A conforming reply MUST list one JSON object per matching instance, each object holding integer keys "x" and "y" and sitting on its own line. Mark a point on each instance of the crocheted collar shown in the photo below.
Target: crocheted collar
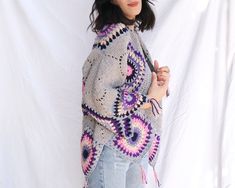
{"x": 109, "y": 27}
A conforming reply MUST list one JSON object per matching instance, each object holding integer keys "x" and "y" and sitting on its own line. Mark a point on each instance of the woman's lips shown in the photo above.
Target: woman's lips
{"x": 133, "y": 4}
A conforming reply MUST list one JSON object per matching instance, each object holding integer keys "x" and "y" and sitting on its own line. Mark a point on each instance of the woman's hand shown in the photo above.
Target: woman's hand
{"x": 160, "y": 82}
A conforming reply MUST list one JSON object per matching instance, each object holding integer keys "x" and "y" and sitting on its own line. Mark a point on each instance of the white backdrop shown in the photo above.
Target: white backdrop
{"x": 43, "y": 45}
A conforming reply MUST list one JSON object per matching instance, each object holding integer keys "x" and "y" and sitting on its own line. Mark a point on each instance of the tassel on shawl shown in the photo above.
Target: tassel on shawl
{"x": 143, "y": 175}
{"x": 156, "y": 178}
{"x": 156, "y": 108}
{"x": 85, "y": 183}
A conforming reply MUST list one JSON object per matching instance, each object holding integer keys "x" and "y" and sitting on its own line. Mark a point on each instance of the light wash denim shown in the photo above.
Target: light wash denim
{"x": 113, "y": 171}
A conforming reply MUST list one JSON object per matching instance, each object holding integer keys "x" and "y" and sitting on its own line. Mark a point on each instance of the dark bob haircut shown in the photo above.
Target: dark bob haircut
{"x": 104, "y": 13}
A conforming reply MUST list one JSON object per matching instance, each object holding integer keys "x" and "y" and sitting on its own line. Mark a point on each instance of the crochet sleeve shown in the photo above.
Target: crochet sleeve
{"x": 108, "y": 96}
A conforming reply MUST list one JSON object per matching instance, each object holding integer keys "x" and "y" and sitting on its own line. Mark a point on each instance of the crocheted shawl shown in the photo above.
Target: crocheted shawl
{"x": 116, "y": 79}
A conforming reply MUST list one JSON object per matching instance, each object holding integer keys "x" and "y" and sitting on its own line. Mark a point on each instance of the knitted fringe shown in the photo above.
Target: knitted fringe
{"x": 156, "y": 178}
{"x": 143, "y": 175}
{"x": 85, "y": 183}
{"x": 156, "y": 108}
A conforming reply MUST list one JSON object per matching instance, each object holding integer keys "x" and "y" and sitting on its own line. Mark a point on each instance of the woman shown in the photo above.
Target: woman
{"x": 122, "y": 99}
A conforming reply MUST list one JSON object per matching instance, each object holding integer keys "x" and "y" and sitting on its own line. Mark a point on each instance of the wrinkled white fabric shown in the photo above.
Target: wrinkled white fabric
{"x": 43, "y": 45}
{"x": 196, "y": 40}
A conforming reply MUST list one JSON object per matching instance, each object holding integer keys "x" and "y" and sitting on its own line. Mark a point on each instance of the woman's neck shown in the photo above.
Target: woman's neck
{"x": 131, "y": 27}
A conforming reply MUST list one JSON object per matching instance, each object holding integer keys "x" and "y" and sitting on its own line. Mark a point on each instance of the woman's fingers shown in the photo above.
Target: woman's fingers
{"x": 163, "y": 84}
{"x": 163, "y": 74}
{"x": 160, "y": 69}
{"x": 154, "y": 77}
{"x": 156, "y": 65}
{"x": 164, "y": 68}
{"x": 163, "y": 79}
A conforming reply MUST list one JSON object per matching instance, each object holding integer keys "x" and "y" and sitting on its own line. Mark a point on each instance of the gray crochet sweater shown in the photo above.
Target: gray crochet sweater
{"x": 116, "y": 79}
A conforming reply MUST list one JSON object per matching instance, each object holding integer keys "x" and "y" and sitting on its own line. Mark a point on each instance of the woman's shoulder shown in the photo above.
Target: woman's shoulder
{"x": 112, "y": 34}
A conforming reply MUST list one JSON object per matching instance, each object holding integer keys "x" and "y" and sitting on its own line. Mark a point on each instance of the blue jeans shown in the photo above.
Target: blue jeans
{"x": 113, "y": 171}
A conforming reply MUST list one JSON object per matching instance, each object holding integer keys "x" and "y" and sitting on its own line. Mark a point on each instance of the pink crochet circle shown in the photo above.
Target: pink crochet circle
{"x": 129, "y": 70}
